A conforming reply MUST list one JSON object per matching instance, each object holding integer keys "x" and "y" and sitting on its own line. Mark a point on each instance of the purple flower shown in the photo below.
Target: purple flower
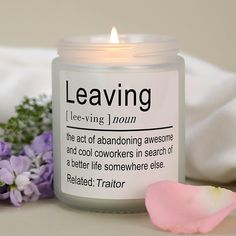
{"x": 42, "y": 143}
{"x": 15, "y": 178}
{"x": 5, "y": 150}
{"x": 45, "y": 181}
{"x": 40, "y": 152}
{"x": 29, "y": 176}
{"x": 31, "y": 193}
{"x": 16, "y": 197}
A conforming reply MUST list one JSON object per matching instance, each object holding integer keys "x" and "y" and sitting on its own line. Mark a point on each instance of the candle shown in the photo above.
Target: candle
{"x": 118, "y": 126}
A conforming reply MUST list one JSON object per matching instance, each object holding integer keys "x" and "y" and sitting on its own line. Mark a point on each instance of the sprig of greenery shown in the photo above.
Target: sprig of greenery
{"x": 33, "y": 117}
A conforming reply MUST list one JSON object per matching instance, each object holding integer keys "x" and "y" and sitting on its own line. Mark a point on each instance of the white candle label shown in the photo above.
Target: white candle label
{"x": 119, "y": 132}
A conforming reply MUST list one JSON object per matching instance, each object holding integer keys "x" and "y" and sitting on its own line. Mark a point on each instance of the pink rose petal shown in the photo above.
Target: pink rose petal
{"x": 181, "y": 208}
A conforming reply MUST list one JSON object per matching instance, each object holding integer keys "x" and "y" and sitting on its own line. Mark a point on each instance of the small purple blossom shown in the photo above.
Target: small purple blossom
{"x": 45, "y": 181}
{"x": 31, "y": 193}
{"x": 5, "y": 150}
{"x": 42, "y": 143}
{"x": 15, "y": 174}
{"x": 40, "y": 152}
{"x": 28, "y": 176}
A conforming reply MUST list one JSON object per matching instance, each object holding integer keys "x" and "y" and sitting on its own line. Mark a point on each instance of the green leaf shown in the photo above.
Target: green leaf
{"x": 33, "y": 117}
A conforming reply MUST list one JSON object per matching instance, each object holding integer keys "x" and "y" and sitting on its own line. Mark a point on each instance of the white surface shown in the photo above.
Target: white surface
{"x": 210, "y": 122}
{"x": 24, "y": 72}
{"x": 50, "y": 217}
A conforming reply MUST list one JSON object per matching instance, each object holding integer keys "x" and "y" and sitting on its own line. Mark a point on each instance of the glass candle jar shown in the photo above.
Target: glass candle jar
{"x": 118, "y": 119}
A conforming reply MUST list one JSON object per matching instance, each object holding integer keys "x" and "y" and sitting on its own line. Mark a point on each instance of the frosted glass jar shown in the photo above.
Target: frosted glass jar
{"x": 118, "y": 119}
